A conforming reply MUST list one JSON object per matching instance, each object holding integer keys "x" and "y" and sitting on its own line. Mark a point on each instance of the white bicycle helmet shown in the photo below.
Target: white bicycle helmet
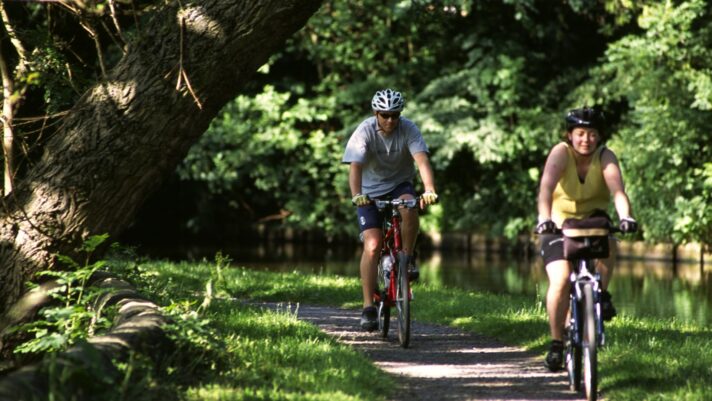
{"x": 387, "y": 100}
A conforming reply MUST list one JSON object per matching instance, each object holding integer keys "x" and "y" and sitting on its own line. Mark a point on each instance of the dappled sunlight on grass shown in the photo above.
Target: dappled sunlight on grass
{"x": 275, "y": 356}
{"x": 227, "y": 393}
{"x": 294, "y": 286}
{"x": 268, "y": 354}
{"x": 294, "y": 358}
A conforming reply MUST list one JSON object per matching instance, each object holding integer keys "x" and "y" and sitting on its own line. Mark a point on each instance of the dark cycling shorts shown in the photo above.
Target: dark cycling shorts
{"x": 370, "y": 217}
{"x": 552, "y": 245}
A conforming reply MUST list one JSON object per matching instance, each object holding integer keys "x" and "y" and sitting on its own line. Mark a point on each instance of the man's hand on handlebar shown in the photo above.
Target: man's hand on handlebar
{"x": 545, "y": 227}
{"x": 628, "y": 225}
{"x": 360, "y": 200}
{"x": 428, "y": 198}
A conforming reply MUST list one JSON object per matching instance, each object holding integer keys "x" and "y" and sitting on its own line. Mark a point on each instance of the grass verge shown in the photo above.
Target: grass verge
{"x": 644, "y": 359}
{"x": 261, "y": 354}
{"x": 227, "y": 350}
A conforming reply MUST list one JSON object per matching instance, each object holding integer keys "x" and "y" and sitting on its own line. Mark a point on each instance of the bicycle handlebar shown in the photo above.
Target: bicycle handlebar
{"x": 409, "y": 203}
{"x": 611, "y": 230}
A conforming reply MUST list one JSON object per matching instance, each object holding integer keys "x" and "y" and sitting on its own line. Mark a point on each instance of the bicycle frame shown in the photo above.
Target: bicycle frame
{"x": 391, "y": 246}
{"x": 397, "y": 290}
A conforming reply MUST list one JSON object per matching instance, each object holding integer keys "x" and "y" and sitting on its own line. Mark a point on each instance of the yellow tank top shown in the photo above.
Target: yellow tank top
{"x": 572, "y": 198}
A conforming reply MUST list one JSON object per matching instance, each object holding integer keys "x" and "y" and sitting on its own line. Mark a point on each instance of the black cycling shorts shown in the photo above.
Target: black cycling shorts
{"x": 370, "y": 217}
{"x": 552, "y": 247}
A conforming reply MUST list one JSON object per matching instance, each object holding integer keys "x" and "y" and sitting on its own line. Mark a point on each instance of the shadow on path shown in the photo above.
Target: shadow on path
{"x": 444, "y": 363}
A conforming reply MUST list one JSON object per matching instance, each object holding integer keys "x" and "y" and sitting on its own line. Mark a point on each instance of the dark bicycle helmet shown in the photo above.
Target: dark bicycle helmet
{"x": 585, "y": 117}
{"x": 387, "y": 100}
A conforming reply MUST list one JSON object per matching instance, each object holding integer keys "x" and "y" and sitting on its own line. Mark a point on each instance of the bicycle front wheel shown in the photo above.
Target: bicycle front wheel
{"x": 384, "y": 309}
{"x": 573, "y": 350}
{"x": 403, "y": 300}
{"x": 590, "y": 344}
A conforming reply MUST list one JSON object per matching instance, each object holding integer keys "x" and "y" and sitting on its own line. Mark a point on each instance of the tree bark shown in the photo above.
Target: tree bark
{"x": 126, "y": 134}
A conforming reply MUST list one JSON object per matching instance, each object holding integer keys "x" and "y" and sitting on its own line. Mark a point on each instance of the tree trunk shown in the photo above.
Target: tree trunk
{"x": 124, "y": 136}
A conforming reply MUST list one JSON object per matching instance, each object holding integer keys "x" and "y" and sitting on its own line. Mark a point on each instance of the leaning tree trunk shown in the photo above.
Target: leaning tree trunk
{"x": 126, "y": 135}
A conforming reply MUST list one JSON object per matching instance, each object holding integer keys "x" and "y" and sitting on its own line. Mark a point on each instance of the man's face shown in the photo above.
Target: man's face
{"x": 388, "y": 120}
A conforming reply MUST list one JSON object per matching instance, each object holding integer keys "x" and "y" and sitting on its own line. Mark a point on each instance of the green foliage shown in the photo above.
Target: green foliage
{"x": 486, "y": 81}
{"x": 663, "y": 142}
{"x": 271, "y": 149}
{"x": 72, "y": 316}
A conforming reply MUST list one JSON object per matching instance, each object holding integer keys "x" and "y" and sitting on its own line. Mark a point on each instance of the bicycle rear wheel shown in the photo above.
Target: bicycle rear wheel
{"x": 590, "y": 344}
{"x": 573, "y": 352}
{"x": 403, "y": 300}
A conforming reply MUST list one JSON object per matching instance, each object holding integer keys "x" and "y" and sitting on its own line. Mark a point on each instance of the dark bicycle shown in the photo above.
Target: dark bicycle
{"x": 584, "y": 242}
{"x": 393, "y": 270}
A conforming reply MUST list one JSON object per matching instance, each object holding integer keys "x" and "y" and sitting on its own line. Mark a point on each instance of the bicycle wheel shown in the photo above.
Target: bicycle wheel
{"x": 573, "y": 352}
{"x": 384, "y": 310}
{"x": 590, "y": 344}
{"x": 403, "y": 300}
{"x": 384, "y": 316}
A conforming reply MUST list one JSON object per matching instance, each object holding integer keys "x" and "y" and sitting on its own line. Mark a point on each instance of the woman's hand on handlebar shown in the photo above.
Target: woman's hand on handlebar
{"x": 545, "y": 227}
{"x": 628, "y": 225}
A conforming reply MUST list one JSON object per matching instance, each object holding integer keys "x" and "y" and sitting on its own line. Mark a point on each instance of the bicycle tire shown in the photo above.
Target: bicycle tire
{"x": 384, "y": 317}
{"x": 573, "y": 353}
{"x": 590, "y": 344}
{"x": 384, "y": 311}
{"x": 403, "y": 300}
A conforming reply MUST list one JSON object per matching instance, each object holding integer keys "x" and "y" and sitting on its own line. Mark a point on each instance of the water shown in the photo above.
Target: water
{"x": 639, "y": 288}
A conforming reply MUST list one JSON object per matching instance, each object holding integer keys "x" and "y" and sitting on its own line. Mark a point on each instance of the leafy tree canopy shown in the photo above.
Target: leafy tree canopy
{"x": 488, "y": 83}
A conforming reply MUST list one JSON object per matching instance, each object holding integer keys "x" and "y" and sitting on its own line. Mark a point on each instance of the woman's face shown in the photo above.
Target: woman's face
{"x": 584, "y": 140}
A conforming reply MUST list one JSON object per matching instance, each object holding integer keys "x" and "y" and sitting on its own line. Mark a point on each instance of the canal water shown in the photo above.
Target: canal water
{"x": 639, "y": 287}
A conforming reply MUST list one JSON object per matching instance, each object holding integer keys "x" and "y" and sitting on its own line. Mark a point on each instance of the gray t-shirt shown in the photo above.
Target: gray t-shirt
{"x": 387, "y": 161}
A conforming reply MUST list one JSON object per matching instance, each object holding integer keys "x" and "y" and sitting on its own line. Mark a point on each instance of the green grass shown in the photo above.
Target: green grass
{"x": 267, "y": 355}
{"x": 273, "y": 356}
{"x": 644, "y": 359}
{"x": 240, "y": 352}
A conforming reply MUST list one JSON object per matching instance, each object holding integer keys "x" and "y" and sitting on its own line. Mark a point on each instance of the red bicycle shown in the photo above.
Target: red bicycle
{"x": 393, "y": 270}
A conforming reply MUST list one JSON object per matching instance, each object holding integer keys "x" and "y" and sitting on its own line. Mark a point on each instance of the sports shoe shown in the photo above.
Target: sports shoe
{"x": 607, "y": 309}
{"x": 369, "y": 318}
{"x": 413, "y": 273}
{"x": 555, "y": 358}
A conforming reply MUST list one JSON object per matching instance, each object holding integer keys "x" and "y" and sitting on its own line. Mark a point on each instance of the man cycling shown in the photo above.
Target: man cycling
{"x": 580, "y": 177}
{"x": 380, "y": 153}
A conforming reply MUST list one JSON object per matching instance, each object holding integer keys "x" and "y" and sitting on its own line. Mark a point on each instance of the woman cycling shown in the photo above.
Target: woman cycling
{"x": 580, "y": 177}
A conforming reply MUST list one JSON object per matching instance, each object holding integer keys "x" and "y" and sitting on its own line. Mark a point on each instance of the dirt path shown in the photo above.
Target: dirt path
{"x": 444, "y": 363}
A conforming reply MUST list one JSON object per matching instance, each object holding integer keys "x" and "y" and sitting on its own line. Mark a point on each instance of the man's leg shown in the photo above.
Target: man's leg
{"x": 409, "y": 234}
{"x": 369, "y": 263}
{"x": 368, "y": 267}
{"x": 409, "y": 226}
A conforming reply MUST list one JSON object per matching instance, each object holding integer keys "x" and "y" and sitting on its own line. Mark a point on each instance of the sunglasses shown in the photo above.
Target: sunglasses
{"x": 389, "y": 116}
